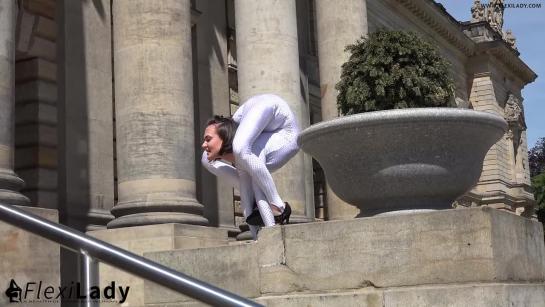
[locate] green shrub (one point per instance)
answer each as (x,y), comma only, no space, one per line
(393,70)
(538,183)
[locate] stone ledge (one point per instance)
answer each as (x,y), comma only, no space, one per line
(475,295)
(142,240)
(233,267)
(450,246)
(453,295)
(420,249)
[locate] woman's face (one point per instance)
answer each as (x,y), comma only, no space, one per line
(212,142)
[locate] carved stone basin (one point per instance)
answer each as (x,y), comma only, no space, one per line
(403,159)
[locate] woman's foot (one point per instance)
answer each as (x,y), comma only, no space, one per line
(255,218)
(280,217)
(284,217)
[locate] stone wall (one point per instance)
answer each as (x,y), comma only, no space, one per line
(36,102)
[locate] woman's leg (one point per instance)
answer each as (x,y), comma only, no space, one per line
(280,148)
(251,126)
(247,198)
(263,207)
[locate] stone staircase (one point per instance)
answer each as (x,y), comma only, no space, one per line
(466,257)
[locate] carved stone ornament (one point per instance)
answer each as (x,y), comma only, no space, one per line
(510,38)
(509,135)
(477,12)
(514,114)
(494,15)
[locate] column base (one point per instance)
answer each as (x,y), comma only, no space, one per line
(13,198)
(140,212)
(10,181)
(300,219)
(10,184)
(151,218)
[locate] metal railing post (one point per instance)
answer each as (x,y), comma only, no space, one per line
(89,270)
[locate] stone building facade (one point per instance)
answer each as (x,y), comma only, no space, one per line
(109,99)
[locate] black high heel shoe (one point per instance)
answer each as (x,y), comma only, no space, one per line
(284,217)
(255,218)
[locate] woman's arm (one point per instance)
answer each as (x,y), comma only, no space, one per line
(222,170)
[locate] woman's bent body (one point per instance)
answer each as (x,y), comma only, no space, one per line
(266,138)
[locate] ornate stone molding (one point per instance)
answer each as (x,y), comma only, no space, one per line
(437,18)
(478,13)
(494,15)
(472,38)
(513,112)
(514,115)
(510,39)
(509,57)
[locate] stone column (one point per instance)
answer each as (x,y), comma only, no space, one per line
(10,183)
(268,62)
(85,109)
(339,23)
(216,194)
(154,114)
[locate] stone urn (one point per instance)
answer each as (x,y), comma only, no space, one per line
(406,159)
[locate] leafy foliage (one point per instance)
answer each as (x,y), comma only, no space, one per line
(538,183)
(536,158)
(393,70)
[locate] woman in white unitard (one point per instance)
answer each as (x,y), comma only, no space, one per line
(266,138)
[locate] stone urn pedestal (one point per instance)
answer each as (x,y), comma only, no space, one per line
(410,159)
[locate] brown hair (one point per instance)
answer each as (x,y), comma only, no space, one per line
(226,128)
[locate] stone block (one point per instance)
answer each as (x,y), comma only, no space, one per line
(42,48)
(475,295)
(41,90)
(233,268)
(33,134)
(357,298)
(39,178)
(36,156)
(145,239)
(36,112)
(35,68)
(24,32)
(41,7)
(450,246)
(42,198)
(18,252)
(46,28)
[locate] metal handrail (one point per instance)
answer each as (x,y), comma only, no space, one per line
(121,259)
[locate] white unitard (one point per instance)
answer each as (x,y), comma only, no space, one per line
(266,138)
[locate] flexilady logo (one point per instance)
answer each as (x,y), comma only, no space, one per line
(14,292)
(38,292)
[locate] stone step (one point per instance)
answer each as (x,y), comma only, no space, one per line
(28,259)
(477,245)
(449,295)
